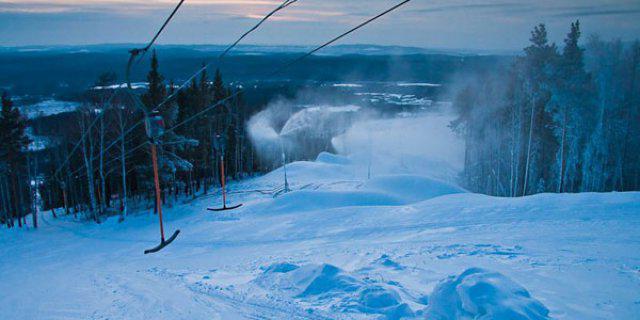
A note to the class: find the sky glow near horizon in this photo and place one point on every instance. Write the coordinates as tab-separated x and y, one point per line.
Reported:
456	24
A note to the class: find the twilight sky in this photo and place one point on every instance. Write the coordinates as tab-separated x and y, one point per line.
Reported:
453	24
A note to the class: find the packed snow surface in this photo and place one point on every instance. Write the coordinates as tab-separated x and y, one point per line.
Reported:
339	246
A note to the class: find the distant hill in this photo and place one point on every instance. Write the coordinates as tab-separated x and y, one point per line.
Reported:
64	70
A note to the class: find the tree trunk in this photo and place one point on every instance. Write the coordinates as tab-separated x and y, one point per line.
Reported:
103	189
88	162
123	164
526	168
6	202
562	151
16	203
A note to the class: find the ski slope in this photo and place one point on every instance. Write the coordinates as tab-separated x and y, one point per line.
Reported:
339	246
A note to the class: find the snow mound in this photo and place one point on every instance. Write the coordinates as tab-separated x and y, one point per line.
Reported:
329	287
304	172
411	188
315	200
331	158
483	295
386	261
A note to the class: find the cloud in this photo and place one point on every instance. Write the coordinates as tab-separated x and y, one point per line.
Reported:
125	6
485	24
500	7
540	9
586	11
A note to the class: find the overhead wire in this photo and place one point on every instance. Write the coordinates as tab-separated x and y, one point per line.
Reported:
113	94
282	6
328	43
287	65
82	137
164	25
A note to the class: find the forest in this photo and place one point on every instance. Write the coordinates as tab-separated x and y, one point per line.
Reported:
98	163
556	120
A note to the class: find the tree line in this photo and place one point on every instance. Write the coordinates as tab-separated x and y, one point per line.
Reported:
555	120
97	162
15	194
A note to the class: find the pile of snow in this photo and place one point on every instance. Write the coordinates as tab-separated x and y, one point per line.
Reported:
301	173
316	200
333	289
483	295
313	193
330	158
412	188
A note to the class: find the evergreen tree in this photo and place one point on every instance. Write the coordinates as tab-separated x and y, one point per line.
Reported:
157	90
169	160
13	145
572	109
539	61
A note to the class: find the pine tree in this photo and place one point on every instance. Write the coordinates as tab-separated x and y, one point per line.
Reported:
539	61
572	111
157	90
169	161
13	145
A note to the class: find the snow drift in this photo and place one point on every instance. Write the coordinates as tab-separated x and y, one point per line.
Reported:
483	295
334	289
412	188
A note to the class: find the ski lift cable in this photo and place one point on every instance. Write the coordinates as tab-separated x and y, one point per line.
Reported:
328	43
287	65
84	136
284	5
155	37
144	50
133	127
128	153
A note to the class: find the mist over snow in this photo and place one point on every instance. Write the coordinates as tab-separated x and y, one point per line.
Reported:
419	143
302	130
407	142
317	120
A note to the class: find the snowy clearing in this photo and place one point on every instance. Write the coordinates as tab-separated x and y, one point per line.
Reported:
48	108
339	247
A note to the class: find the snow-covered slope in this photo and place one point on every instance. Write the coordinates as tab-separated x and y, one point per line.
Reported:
338	247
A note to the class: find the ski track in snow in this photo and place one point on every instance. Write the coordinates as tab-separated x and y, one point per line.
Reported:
338	247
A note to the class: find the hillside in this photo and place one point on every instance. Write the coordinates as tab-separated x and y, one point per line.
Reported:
338	247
